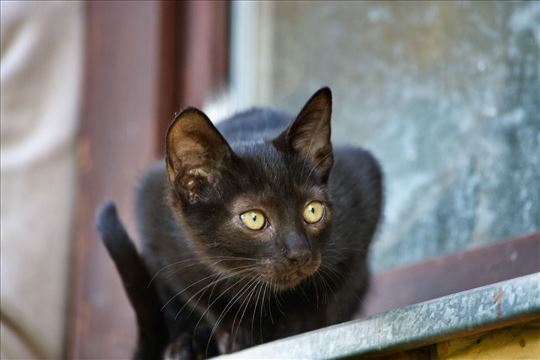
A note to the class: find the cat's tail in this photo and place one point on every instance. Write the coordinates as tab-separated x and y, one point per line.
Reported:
153	336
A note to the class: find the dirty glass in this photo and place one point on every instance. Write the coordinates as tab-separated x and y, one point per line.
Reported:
445	94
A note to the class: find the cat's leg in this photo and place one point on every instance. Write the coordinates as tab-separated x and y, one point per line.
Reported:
229	341
189	331
179	349
187	346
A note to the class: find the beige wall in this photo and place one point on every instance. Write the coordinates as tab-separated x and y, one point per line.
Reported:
41	66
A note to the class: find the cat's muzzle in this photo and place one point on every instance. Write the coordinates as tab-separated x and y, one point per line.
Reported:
286	274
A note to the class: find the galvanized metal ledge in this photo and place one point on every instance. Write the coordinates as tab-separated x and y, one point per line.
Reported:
472	311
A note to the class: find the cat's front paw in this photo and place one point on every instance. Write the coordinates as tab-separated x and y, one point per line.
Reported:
228	343
180	348
189	346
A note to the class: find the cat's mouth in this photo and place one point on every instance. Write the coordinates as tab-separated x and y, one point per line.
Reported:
287	277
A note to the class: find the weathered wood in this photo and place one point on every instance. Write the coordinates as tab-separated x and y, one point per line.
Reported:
515	342
116	142
196	55
144	61
453	273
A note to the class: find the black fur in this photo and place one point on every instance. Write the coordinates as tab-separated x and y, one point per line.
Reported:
155	332
180	233
151	326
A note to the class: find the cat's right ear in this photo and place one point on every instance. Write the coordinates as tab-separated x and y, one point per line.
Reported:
195	154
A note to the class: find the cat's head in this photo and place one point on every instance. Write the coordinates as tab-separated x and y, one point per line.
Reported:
261	209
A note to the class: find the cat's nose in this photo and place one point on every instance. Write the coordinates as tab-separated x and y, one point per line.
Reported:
297	250
299	258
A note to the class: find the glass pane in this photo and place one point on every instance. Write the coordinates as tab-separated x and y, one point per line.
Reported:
445	94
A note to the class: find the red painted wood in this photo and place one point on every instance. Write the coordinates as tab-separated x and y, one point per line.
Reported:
453	273
144	61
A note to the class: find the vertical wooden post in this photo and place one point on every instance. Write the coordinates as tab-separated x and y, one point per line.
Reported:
200	51
144	61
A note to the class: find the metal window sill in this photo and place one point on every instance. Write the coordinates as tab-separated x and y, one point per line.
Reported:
488	307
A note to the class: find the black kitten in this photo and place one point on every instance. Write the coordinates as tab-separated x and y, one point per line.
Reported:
254	231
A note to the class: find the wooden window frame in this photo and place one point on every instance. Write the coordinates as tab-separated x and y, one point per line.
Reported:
143	65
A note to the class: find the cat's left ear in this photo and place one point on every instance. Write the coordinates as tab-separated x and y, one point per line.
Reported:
309	134
195	154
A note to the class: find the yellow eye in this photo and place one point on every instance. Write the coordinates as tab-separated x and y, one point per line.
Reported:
253	219
313	212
